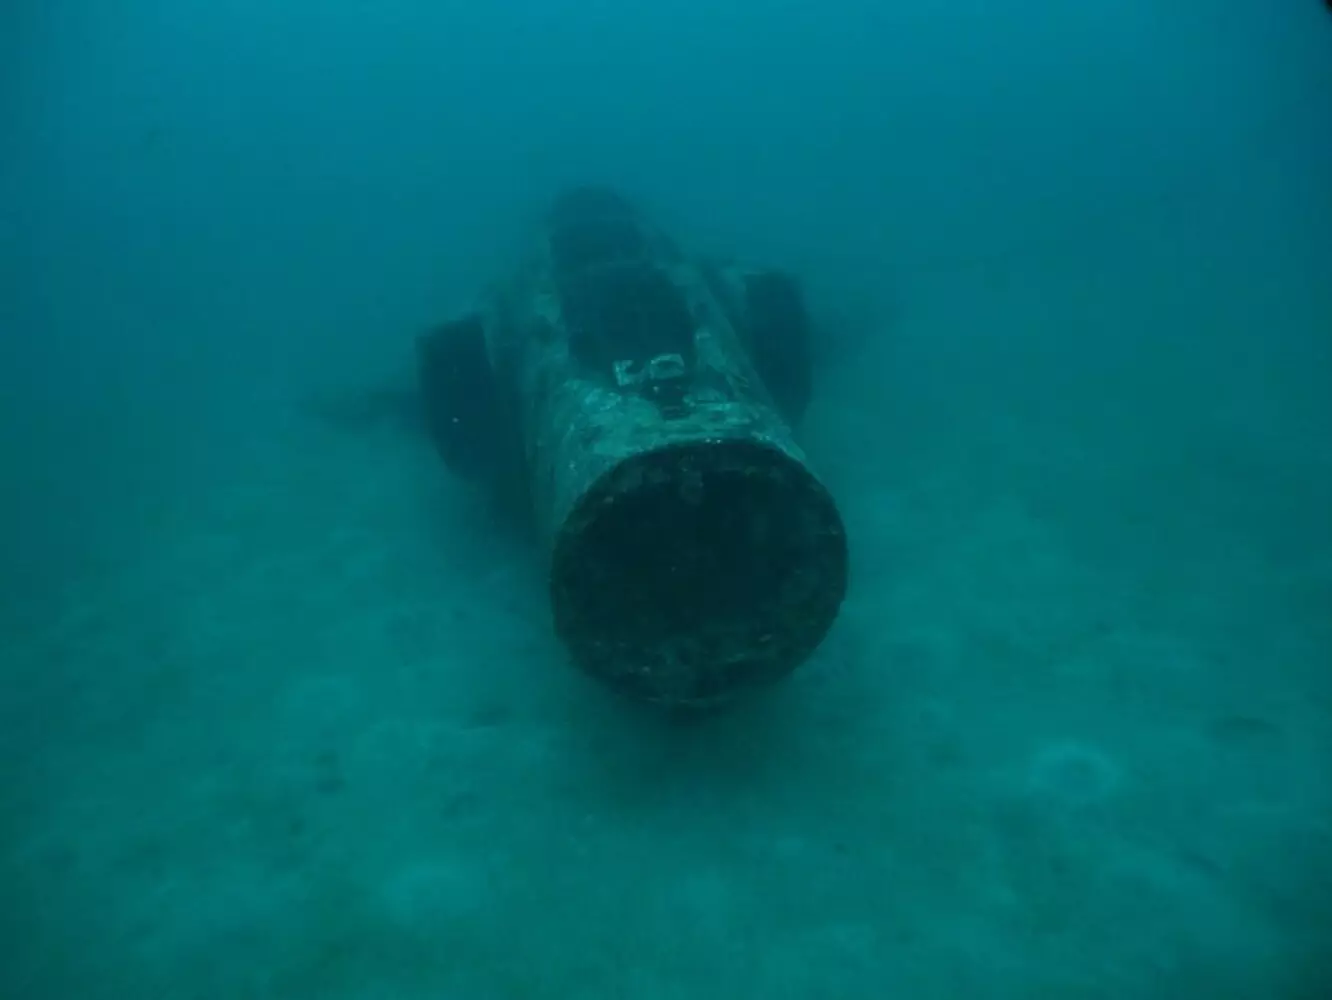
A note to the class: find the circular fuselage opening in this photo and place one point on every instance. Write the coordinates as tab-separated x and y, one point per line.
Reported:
688	574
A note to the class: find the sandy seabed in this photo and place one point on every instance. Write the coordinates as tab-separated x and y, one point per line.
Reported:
1070	738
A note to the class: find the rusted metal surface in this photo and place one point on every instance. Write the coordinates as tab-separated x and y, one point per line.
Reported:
692	553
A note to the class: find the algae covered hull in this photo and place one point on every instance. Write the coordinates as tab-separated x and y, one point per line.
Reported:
635	408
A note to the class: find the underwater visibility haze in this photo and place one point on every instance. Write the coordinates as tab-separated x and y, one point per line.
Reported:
567	499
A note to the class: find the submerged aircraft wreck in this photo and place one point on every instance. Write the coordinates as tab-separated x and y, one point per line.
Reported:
635	407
